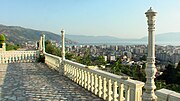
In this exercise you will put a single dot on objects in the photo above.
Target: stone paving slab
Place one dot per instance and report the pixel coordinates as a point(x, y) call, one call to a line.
point(36, 82)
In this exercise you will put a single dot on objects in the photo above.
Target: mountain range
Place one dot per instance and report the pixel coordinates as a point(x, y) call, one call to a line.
point(172, 38)
point(18, 35)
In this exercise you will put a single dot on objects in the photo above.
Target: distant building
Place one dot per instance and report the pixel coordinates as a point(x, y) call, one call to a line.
point(105, 58)
point(112, 58)
point(175, 58)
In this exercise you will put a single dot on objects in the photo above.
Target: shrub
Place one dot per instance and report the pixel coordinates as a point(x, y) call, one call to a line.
point(2, 38)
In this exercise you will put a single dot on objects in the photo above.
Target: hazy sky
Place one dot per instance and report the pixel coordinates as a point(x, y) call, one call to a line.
point(120, 18)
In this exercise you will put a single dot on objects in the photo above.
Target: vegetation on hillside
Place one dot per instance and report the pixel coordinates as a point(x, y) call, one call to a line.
point(8, 46)
point(86, 59)
point(2, 38)
point(11, 47)
point(170, 78)
point(20, 35)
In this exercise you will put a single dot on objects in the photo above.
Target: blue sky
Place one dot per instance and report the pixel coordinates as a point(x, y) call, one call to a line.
point(120, 18)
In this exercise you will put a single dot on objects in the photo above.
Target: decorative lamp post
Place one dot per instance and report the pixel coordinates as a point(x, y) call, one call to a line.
point(150, 70)
point(43, 43)
point(40, 43)
point(63, 44)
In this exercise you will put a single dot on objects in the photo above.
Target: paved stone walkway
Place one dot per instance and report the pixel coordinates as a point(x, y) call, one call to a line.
point(36, 82)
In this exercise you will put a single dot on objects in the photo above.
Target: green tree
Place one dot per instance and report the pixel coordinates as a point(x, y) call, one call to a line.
point(178, 73)
point(11, 47)
point(143, 58)
point(99, 61)
point(2, 38)
point(69, 56)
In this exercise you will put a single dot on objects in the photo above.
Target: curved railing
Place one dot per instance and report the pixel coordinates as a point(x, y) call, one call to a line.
point(53, 61)
point(18, 56)
point(103, 84)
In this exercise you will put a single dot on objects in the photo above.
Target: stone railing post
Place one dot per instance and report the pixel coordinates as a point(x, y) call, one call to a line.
point(63, 51)
point(4, 46)
point(36, 46)
point(150, 70)
point(43, 42)
point(40, 44)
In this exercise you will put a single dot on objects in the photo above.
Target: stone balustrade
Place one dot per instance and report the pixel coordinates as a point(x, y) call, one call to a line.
point(53, 61)
point(18, 56)
point(103, 84)
point(167, 95)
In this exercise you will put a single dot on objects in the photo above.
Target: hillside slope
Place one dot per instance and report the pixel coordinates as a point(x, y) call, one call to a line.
point(20, 35)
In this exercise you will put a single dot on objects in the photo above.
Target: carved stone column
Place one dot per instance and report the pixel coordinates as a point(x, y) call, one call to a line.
point(63, 44)
point(43, 43)
point(40, 44)
point(150, 70)
point(63, 52)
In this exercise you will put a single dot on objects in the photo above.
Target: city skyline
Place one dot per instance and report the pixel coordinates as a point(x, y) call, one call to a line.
point(122, 19)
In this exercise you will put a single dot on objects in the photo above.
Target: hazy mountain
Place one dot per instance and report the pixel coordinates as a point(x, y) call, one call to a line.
point(166, 38)
point(20, 35)
point(170, 37)
point(96, 39)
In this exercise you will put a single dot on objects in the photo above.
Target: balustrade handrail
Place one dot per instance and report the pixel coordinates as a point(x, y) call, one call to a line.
point(114, 77)
point(54, 56)
point(53, 61)
point(104, 84)
point(18, 56)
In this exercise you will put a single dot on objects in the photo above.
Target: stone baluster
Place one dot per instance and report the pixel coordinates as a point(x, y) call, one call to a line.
point(70, 72)
point(75, 74)
point(89, 81)
point(92, 82)
point(100, 87)
point(21, 55)
point(82, 78)
point(79, 70)
point(121, 89)
point(136, 91)
point(65, 68)
point(10, 58)
point(85, 79)
point(31, 57)
point(104, 88)
point(73, 69)
point(0, 58)
point(26, 57)
point(115, 95)
point(16, 57)
point(3, 61)
point(95, 84)
point(127, 93)
point(109, 90)
point(4, 58)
